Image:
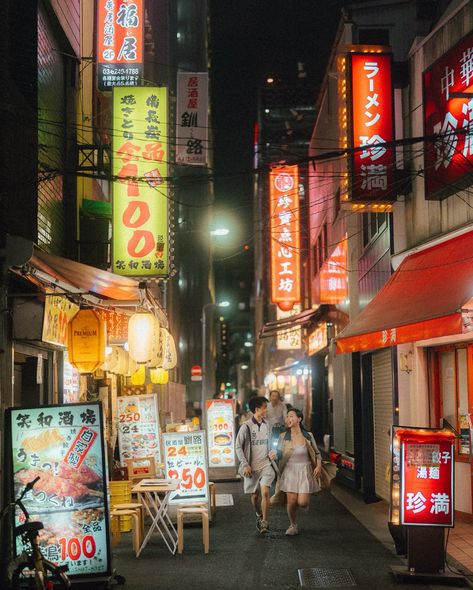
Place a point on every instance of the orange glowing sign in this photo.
(119, 43)
(318, 339)
(333, 276)
(372, 126)
(285, 236)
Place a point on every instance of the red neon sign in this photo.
(372, 125)
(427, 468)
(448, 159)
(119, 43)
(285, 236)
(333, 276)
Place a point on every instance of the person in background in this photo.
(300, 466)
(255, 456)
(277, 413)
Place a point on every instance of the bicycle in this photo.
(47, 575)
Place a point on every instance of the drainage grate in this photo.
(321, 577)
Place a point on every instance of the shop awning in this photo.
(300, 319)
(428, 296)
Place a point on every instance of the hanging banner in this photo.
(422, 488)
(192, 118)
(285, 236)
(185, 458)
(372, 125)
(63, 446)
(58, 311)
(119, 43)
(334, 276)
(140, 188)
(221, 432)
(290, 339)
(138, 427)
(449, 157)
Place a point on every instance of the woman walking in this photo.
(300, 466)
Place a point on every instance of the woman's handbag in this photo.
(329, 471)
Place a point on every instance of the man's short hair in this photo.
(257, 402)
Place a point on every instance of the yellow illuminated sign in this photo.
(140, 189)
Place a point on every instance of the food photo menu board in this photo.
(138, 427)
(63, 446)
(221, 433)
(185, 458)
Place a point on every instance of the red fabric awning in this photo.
(422, 299)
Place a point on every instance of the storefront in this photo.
(415, 342)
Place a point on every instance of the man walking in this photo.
(254, 454)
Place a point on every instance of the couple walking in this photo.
(300, 463)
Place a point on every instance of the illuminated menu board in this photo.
(221, 433)
(63, 446)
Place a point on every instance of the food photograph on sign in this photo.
(63, 446)
(221, 435)
(138, 427)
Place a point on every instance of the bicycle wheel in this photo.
(54, 577)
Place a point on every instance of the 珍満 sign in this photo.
(63, 446)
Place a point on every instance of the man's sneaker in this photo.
(264, 528)
(292, 530)
(258, 522)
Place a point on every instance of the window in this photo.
(320, 250)
(373, 225)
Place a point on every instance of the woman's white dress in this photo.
(298, 476)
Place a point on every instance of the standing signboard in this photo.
(221, 433)
(138, 427)
(63, 445)
(185, 458)
(423, 477)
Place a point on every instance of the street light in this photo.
(204, 351)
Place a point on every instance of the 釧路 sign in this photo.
(63, 446)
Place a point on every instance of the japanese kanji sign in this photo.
(290, 339)
(333, 276)
(140, 188)
(185, 458)
(220, 432)
(192, 118)
(449, 157)
(119, 43)
(138, 427)
(63, 446)
(372, 125)
(285, 236)
(426, 474)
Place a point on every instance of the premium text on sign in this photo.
(140, 188)
(372, 126)
(284, 214)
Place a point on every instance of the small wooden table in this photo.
(154, 496)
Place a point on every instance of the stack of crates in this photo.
(120, 493)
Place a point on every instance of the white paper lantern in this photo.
(169, 350)
(142, 328)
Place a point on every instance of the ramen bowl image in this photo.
(222, 439)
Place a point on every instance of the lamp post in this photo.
(204, 352)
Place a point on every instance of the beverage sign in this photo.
(185, 458)
(119, 43)
(140, 189)
(63, 446)
(449, 157)
(58, 311)
(221, 433)
(372, 126)
(138, 427)
(426, 477)
(285, 236)
(192, 118)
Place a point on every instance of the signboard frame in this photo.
(173, 438)
(214, 451)
(9, 485)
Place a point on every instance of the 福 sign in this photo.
(119, 43)
(185, 458)
(63, 446)
(284, 215)
(449, 156)
(372, 126)
(426, 476)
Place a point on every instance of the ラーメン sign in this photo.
(63, 446)
(449, 157)
(372, 126)
(140, 189)
(119, 43)
(284, 215)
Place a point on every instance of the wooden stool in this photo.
(213, 497)
(195, 509)
(136, 525)
(134, 506)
